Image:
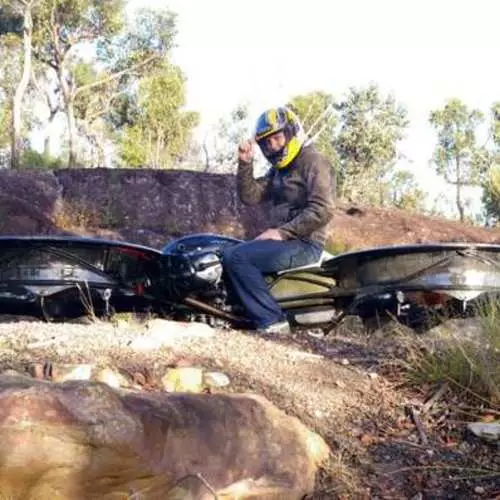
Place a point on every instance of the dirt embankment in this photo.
(150, 207)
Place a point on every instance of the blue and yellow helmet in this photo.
(277, 120)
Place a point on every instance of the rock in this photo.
(83, 439)
(489, 431)
(63, 372)
(183, 379)
(216, 379)
(112, 377)
(13, 373)
(164, 333)
(37, 370)
(171, 331)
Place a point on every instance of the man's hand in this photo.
(270, 234)
(245, 151)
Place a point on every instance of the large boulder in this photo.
(85, 440)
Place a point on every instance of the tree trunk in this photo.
(458, 197)
(17, 145)
(71, 135)
(47, 129)
(70, 115)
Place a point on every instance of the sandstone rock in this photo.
(13, 373)
(164, 333)
(183, 379)
(85, 440)
(63, 372)
(216, 379)
(169, 331)
(112, 377)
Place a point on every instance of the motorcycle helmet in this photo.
(276, 120)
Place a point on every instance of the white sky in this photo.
(265, 51)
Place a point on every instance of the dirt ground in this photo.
(345, 386)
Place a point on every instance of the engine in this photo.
(193, 265)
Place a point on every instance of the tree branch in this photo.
(114, 76)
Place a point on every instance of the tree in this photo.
(13, 11)
(107, 97)
(45, 83)
(404, 192)
(63, 27)
(491, 192)
(317, 112)
(371, 125)
(10, 71)
(457, 156)
(220, 145)
(159, 129)
(495, 124)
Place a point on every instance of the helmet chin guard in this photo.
(276, 120)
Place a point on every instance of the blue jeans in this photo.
(246, 263)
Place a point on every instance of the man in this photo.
(301, 187)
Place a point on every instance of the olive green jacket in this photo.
(302, 194)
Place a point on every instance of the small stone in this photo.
(216, 379)
(112, 378)
(345, 361)
(183, 379)
(340, 384)
(479, 490)
(373, 375)
(61, 373)
(489, 431)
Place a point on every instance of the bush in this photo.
(468, 360)
(32, 159)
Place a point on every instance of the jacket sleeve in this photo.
(319, 206)
(250, 190)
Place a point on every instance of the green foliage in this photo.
(371, 125)
(457, 156)
(5, 124)
(495, 123)
(336, 246)
(491, 195)
(220, 148)
(59, 25)
(316, 110)
(491, 191)
(32, 159)
(162, 129)
(404, 192)
(151, 34)
(469, 364)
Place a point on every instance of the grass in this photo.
(466, 357)
(76, 216)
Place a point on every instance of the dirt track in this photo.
(337, 386)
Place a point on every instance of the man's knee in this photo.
(233, 256)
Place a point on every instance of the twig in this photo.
(477, 472)
(418, 424)
(433, 399)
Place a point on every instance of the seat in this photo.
(309, 267)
